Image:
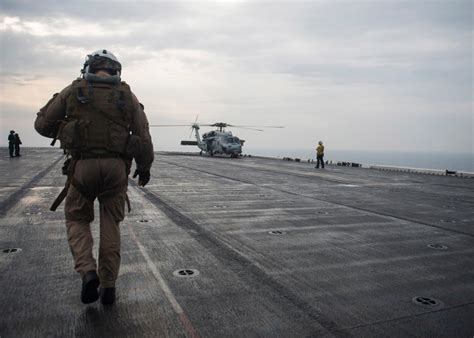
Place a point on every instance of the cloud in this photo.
(314, 66)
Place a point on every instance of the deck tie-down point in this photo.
(186, 273)
(11, 250)
(437, 246)
(447, 221)
(426, 301)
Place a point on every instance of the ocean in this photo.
(429, 160)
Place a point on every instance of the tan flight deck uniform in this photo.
(96, 123)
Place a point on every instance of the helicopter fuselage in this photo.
(217, 141)
(220, 142)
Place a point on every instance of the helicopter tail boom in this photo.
(189, 143)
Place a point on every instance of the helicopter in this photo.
(216, 142)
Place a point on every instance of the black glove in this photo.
(143, 176)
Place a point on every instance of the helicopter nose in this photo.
(233, 148)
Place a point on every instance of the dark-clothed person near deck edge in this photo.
(11, 142)
(17, 145)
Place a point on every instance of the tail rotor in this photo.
(194, 126)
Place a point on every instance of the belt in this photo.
(94, 156)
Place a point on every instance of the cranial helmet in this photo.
(101, 59)
(320, 142)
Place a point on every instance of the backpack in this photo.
(98, 118)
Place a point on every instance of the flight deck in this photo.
(246, 247)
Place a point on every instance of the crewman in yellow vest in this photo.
(320, 155)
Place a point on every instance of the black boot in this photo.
(90, 283)
(107, 296)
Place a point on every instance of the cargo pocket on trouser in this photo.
(82, 192)
(77, 207)
(113, 187)
(112, 203)
(112, 212)
(79, 212)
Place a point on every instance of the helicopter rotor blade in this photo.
(170, 125)
(230, 125)
(217, 124)
(249, 128)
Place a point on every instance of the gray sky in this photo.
(373, 75)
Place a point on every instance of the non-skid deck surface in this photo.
(278, 249)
